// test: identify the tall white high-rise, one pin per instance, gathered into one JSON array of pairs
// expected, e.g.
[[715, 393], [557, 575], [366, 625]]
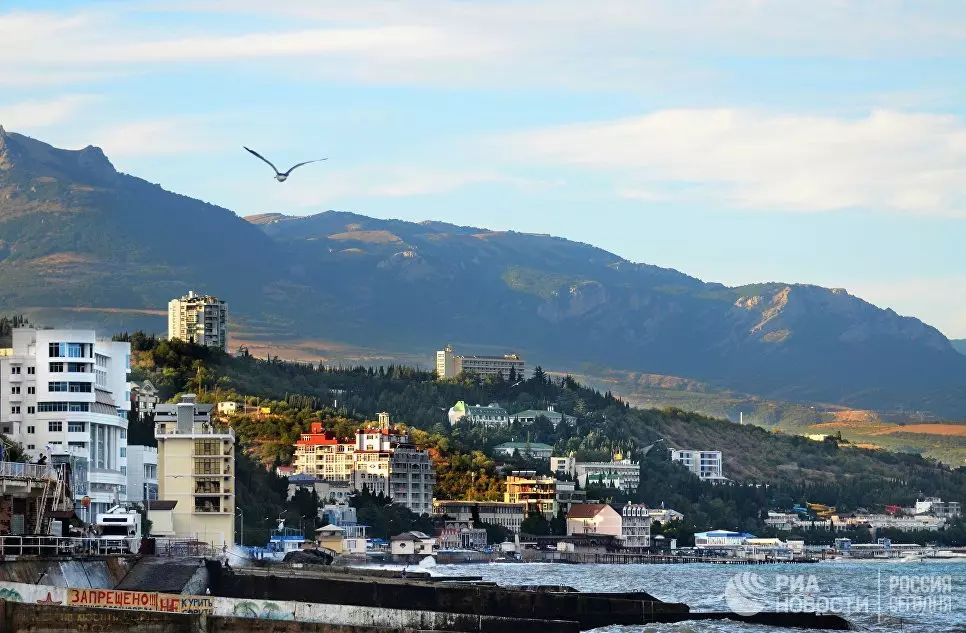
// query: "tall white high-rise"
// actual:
[[200, 319], [64, 394]]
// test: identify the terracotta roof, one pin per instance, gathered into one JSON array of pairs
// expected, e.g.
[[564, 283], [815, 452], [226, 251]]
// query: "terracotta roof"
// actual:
[[585, 510]]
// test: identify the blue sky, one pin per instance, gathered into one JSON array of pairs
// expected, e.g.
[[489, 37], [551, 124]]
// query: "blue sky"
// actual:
[[739, 141]]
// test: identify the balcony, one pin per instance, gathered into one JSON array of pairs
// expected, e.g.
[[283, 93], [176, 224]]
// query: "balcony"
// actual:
[[200, 429]]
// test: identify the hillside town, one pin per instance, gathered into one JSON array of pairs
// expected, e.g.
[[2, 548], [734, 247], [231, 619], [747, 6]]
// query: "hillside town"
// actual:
[[67, 399]]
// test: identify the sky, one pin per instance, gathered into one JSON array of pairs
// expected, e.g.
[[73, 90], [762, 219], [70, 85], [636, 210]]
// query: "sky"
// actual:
[[737, 141]]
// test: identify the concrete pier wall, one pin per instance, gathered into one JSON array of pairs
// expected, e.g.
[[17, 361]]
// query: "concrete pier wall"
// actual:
[[590, 610], [93, 574], [111, 611]]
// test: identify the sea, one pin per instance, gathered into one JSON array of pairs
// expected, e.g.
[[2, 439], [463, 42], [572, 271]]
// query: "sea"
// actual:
[[873, 596]]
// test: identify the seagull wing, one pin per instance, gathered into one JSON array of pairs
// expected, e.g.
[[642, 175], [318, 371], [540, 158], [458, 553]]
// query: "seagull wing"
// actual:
[[264, 159], [300, 164]]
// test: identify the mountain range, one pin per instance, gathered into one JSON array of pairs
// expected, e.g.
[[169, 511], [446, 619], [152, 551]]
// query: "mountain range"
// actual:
[[77, 234]]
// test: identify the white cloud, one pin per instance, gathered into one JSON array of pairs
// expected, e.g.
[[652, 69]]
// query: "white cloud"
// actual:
[[629, 44], [26, 116], [156, 137], [911, 163]]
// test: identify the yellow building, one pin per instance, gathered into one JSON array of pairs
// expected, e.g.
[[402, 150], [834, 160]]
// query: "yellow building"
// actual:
[[196, 470], [538, 493], [330, 537]]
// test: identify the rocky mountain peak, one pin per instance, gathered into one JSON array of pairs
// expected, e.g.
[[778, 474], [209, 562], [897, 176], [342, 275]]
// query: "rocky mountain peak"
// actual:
[[35, 159]]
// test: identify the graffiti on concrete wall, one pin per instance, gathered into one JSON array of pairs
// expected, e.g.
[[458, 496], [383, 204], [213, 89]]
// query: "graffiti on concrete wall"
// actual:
[[264, 611], [10, 595]]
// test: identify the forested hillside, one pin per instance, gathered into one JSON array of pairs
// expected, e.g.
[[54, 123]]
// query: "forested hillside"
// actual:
[[790, 469]]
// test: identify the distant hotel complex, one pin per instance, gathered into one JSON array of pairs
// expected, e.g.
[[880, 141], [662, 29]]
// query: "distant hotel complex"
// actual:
[[199, 319], [450, 365], [381, 459]]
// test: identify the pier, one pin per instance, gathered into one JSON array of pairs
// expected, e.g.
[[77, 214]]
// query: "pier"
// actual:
[[192, 595]]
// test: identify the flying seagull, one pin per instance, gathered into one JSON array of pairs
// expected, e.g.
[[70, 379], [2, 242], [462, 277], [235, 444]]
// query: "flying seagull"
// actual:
[[282, 176]]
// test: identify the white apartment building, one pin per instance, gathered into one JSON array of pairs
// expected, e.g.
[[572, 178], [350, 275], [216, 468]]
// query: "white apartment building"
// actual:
[[705, 464], [937, 507], [449, 365], [65, 393], [200, 319], [636, 526], [142, 472]]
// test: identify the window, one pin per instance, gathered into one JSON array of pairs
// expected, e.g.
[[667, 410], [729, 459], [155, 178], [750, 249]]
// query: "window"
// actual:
[[55, 350], [207, 447], [77, 368], [76, 427], [55, 426], [15, 409], [75, 350], [79, 387], [31, 410], [51, 407], [123, 434], [30, 447], [56, 368], [31, 430], [31, 371], [123, 451], [123, 470], [15, 390], [57, 386], [15, 370], [6, 430], [31, 391]]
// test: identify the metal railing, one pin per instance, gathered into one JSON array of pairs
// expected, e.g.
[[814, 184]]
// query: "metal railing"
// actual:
[[55, 546], [66, 546], [27, 471]]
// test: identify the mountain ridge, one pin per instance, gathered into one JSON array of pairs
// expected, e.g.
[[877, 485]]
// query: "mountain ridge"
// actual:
[[75, 232]]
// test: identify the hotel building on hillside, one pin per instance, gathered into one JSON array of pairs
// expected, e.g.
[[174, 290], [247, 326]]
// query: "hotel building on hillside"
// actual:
[[65, 394], [449, 365], [705, 464], [196, 471], [199, 319], [381, 459], [621, 473], [490, 415]]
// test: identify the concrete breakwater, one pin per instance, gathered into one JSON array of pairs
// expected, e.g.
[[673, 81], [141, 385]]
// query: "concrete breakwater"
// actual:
[[46, 609]]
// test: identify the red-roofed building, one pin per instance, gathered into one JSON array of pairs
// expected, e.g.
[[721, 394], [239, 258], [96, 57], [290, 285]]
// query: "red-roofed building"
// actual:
[[322, 454], [381, 458]]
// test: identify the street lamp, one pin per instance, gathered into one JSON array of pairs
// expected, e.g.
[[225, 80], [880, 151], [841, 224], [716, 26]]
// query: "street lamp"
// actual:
[[241, 521]]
